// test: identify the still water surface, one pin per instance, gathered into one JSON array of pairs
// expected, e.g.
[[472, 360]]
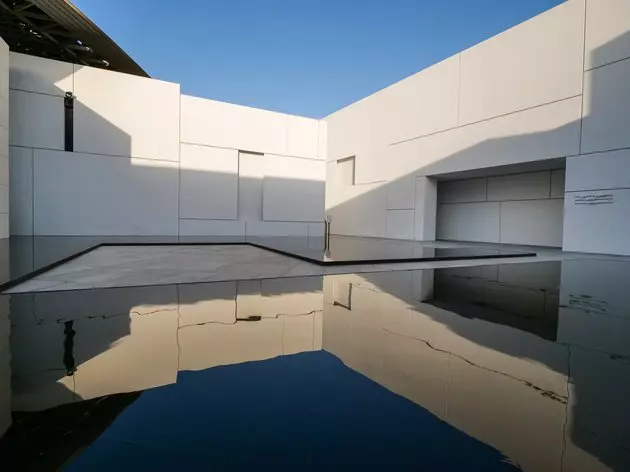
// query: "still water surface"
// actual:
[[505, 367]]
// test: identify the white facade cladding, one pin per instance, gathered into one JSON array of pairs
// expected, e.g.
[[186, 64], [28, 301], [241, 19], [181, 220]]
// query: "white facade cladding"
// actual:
[[524, 208], [146, 160], [551, 90], [508, 115]]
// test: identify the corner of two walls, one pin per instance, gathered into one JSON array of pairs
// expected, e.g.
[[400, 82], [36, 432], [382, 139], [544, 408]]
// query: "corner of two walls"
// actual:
[[517, 97], [269, 166], [150, 161]]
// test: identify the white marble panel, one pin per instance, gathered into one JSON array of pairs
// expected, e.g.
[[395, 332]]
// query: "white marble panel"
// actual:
[[250, 186], [526, 186], [545, 132], [425, 209], [370, 165], [606, 108], [4, 142], [4, 111], [331, 184], [607, 32], [462, 191], [423, 103], [85, 194], [38, 74], [536, 62], [469, 221], [322, 142], [4, 199], [597, 221], [208, 182], [400, 224], [211, 227], [315, 230], [4, 68], [605, 170], [4, 226], [401, 193], [4, 170], [536, 222], [234, 126], [302, 137], [36, 120], [273, 228], [357, 128], [360, 210], [293, 189], [21, 191], [557, 183], [125, 115]]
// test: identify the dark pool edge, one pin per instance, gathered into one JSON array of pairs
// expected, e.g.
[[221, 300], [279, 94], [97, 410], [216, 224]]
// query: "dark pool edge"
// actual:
[[28, 276]]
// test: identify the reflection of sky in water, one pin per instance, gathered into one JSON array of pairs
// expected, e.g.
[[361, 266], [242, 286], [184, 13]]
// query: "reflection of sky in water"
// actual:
[[472, 368], [301, 411]]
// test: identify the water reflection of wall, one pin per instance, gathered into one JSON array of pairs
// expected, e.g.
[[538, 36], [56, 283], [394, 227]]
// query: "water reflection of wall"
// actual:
[[544, 382], [5, 368], [594, 321], [481, 391], [524, 297], [546, 405], [122, 340]]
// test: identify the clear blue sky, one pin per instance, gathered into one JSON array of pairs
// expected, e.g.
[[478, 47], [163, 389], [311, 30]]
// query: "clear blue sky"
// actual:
[[303, 57]]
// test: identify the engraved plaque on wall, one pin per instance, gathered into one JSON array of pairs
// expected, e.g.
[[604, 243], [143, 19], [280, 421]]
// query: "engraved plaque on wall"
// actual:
[[594, 198]]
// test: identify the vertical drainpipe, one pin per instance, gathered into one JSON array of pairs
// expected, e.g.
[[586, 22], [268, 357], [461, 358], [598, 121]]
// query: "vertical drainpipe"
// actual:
[[68, 104]]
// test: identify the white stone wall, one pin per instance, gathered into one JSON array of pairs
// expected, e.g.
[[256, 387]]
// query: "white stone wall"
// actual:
[[269, 167], [552, 87], [484, 377], [514, 98], [597, 204], [195, 324], [521, 208], [122, 177], [148, 161]]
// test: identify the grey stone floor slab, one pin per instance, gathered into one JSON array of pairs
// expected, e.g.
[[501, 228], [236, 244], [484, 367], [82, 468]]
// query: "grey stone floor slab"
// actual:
[[126, 266]]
